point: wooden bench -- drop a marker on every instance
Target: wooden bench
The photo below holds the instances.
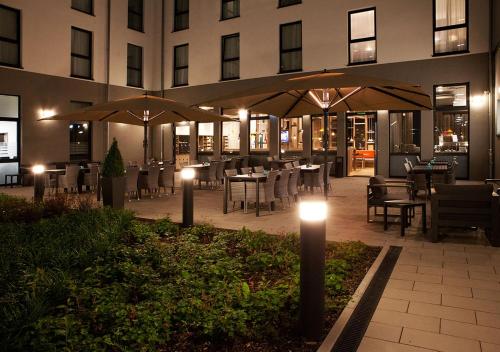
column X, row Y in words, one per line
column 465, row 206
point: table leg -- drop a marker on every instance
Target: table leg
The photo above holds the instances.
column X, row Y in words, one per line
column 385, row 217
column 424, row 218
column 225, row 195
column 402, row 218
column 245, row 204
column 257, row 198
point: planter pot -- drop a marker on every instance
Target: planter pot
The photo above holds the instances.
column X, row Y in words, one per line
column 113, row 192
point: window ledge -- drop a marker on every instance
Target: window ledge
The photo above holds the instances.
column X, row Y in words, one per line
column 11, row 66
column 228, row 18
column 280, row 72
column 448, row 53
column 87, row 13
column 229, row 79
column 137, row 30
column 82, row 77
column 180, row 85
column 362, row 63
column 180, row 30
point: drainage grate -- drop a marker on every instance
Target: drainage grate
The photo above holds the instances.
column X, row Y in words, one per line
column 356, row 326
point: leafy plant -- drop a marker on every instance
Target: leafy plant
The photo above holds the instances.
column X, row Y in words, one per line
column 113, row 163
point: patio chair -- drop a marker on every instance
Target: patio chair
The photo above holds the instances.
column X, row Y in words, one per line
column 231, row 172
column 258, row 169
column 167, row 178
column 419, row 180
column 438, row 178
column 288, row 166
column 219, row 175
column 293, row 190
column 377, row 193
column 232, row 163
column 281, row 189
column 266, row 191
column 244, row 161
column 193, row 162
column 151, row 180
column 69, row 181
column 418, row 159
column 329, row 166
column 245, row 170
column 90, row 178
column 50, row 179
column 132, row 177
column 209, row 176
column 314, row 179
column 495, row 182
column 269, row 158
column 296, row 163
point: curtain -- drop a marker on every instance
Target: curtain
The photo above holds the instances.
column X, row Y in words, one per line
column 231, row 55
column 81, row 53
column 9, row 51
column 181, row 65
column 362, row 24
column 230, row 8
column 82, row 5
column 181, row 18
column 291, row 46
column 450, row 12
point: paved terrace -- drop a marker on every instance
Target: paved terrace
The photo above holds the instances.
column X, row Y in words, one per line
column 441, row 296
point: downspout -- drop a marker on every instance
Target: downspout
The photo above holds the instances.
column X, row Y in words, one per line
column 491, row 96
column 162, row 74
column 108, row 75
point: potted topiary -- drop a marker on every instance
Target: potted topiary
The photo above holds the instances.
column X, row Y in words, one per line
column 113, row 178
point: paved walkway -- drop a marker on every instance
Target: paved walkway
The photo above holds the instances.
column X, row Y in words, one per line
column 441, row 296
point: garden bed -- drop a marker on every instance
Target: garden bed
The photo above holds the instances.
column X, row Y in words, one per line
column 97, row 279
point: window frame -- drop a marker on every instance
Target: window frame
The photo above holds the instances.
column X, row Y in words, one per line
column 257, row 151
column 282, row 51
column 178, row 13
column 455, row 26
column 135, row 13
column 361, row 40
column 281, row 5
column 141, row 70
column 91, row 13
column 90, row 58
column 175, row 67
column 204, row 152
column 291, row 152
column 18, row 41
column 225, row 152
column 321, row 117
column 223, row 60
column 415, row 113
column 18, row 122
column 222, row 18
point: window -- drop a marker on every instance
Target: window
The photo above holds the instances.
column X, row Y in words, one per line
column 451, row 119
column 362, row 36
column 283, row 3
column 230, row 137
column 291, row 47
column 134, row 65
column 404, row 133
column 80, row 135
column 81, row 53
column 259, row 133
column 205, row 137
column 230, row 9
column 86, row 6
column 181, row 68
column 136, row 15
column 317, row 132
column 291, row 134
column 451, row 26
column 9, row 135
column 231, row 56
column 10, row 36
column 181, row 15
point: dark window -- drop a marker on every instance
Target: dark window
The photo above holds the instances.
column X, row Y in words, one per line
column 231, row 56
column 10, row 36
column 283, row 3
column 404, row 132
column 451, row 26
column 181, row 15
column 362, row 36
column 134, row 65
column 136, row 15
column 291, row 47
column 81, row 53
column 230, row 9
column 80, row 135
column 451, row 119
column 181, row 65
column 86, row 6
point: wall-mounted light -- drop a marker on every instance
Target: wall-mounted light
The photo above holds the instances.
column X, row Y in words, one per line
column 207, row 108
column 479, row 100
column 46, row 113
column 243, row 114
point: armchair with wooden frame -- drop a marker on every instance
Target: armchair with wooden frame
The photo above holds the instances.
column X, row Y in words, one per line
column 377, row 192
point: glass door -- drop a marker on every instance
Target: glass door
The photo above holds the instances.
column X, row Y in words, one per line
column 182, row 145
column 361, row 144
column 9, row 135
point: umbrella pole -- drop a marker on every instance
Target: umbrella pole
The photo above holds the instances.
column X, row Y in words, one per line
column 325, row 152
column 145, row 142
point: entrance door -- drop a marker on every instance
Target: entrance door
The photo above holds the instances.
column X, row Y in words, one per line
column 361, row 144
column 182, row 145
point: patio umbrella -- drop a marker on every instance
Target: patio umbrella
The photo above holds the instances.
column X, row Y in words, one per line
column 322, row 92
column 145, row 110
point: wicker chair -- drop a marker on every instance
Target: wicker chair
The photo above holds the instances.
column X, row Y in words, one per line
column 219, row 174
column 296, row 163
column 209, row 176
column 152, row 184
column 69, row 181
column 258, row 169
column 245, row 170
column 293, row 190
column 419, row 181
column 266, row 190
column 233, row 163
column 377, row 193
column 132, row 174
column 90, row 178
column 167, row 178
column 315, row 179
column 288, row 166
column 281, row 190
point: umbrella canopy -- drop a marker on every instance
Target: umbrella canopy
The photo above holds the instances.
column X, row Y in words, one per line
column 144, row 110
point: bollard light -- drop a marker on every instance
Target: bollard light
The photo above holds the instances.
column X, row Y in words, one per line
column 312, row 268
column 38, row 182
column 187, row 175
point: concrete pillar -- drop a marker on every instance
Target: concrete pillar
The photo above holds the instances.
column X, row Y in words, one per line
column 382, row 138
column 244, row 133
column 274, row 135
column 306, row 135
column 193, row 141
column 217, row 140
column 341, row 138
column 427, row 134
column 168, row 144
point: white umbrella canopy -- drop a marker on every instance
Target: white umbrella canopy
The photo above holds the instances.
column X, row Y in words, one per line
column 145, row 110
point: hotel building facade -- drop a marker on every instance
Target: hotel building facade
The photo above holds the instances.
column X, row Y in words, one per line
column 60, row 55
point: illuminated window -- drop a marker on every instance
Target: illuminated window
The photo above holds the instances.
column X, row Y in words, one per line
column 291, row 134
column 80, row 135
column 259, row 133
column 206, row 137
column 9, row 137
column 450, row 26
column 317, row 132
column 362, row 36
column 451, row 119
column 404, row 132
column 230, row 137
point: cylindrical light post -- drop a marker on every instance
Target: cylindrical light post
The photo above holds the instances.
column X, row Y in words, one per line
column 312, row 268
column 39, row 183
column 187, row 175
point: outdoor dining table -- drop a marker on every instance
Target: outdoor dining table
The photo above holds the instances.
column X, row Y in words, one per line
column 309, row 168
column 254, row 177
column 428, row 170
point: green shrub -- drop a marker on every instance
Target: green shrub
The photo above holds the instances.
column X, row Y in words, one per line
column 113, row 163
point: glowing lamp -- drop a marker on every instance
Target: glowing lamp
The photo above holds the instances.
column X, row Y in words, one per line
column 38, row 169
column 187, row 173
column 312, row 211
